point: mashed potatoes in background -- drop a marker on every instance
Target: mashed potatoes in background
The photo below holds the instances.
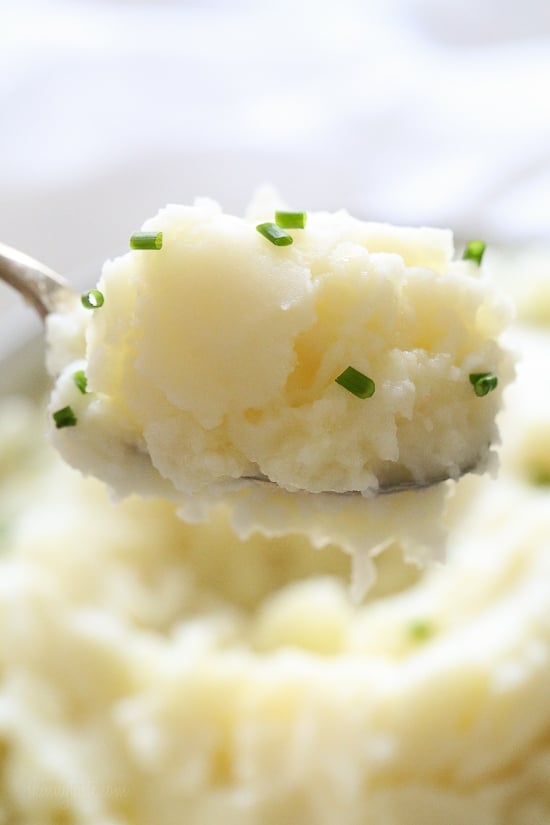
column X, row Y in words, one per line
column 156, row 671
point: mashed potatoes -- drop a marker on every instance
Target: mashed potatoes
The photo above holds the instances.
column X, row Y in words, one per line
column 221, row 356
column 153, row 669
column 158, row 671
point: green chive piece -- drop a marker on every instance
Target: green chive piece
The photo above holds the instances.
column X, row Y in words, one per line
column 93, row 299
column 540, row 477
column 483, row 382
column 291, row 220
column 474, row 251
column 146, row 240
column 64, row 417
column 420, row 630
column 275, row 234
column 79, row 377
column 355, row 382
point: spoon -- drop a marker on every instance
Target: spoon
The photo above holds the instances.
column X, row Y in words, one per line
column 47, row 292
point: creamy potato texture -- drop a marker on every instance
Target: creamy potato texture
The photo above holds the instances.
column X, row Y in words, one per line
column 217, row 355
column 216, row 358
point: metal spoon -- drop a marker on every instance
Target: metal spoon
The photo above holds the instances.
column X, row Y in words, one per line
column 48, row 292
column 39, row 285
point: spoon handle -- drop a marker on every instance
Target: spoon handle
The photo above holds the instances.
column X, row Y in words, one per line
column 43, row 288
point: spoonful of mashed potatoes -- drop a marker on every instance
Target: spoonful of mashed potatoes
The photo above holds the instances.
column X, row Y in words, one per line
column 315, row 351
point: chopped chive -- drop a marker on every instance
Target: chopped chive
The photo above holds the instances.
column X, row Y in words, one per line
column 79, row 377
column 146, row 240
column 420, row 630
column 483, row 382
column 64, row 417
column 540, row 477
column 474, row 251
column 355, row 382
column 275, row 234
column 291, row 220
column 93, row 299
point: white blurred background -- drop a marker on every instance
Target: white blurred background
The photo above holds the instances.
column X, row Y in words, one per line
column 411, row 111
